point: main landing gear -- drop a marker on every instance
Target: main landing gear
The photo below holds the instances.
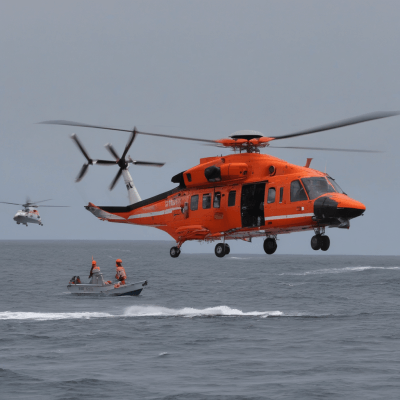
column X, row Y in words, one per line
column 319, row 241
column 174, row 252
column 270, row 245
column 221, row 249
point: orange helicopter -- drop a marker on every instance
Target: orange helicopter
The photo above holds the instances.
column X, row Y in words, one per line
column 238, row 196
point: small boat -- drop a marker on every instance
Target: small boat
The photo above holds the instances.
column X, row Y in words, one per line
column 129, row 289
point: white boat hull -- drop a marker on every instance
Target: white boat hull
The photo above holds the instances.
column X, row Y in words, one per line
column 129, row 289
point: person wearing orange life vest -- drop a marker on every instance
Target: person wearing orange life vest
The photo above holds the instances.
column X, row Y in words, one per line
column 121, row 274
column 97, row 277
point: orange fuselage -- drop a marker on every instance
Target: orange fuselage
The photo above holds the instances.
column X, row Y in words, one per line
column 240, row 196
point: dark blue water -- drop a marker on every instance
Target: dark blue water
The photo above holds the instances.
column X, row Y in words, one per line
column 241, row 327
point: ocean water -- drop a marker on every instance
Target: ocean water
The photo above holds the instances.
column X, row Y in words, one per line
column 241, row 327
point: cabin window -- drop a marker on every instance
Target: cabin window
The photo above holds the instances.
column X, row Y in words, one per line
column 217, row 200
column 189, row 177
column 297, row 192
column 317, row 186
column 281, row 195
column 206, row 201
column 232, row 198
column 271, row 195
column 194, row 202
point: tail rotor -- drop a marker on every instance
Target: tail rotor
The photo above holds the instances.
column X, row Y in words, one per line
column 123, row 161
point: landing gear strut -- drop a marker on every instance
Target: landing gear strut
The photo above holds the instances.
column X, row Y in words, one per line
column 270, row 245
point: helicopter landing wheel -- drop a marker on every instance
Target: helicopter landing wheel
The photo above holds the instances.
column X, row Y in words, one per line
column 18, row 223
column 227, row 248
column 316, row 242
column 270, row 245
column 220, row 249
column 325, row 243
column 174, row 252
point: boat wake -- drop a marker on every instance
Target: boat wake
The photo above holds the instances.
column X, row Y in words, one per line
column 219, row 311
column 157, row 311
column 42, row 316
column 338, row 270
column 140, row 311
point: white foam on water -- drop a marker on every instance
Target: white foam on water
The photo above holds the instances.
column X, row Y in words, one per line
column 41, row 316
column 219, row 311
column 338, row 270
column 139, row 311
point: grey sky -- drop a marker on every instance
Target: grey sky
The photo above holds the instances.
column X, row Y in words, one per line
column 202, row 69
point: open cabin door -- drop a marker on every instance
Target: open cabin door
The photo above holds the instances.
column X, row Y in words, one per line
column 252, row 205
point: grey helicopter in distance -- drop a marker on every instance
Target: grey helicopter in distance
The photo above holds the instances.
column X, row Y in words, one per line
column 30, row 214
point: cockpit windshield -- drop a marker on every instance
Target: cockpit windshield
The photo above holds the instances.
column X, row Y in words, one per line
column 317, row 186
column 335, row 185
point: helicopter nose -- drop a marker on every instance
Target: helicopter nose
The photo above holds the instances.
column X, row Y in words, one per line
column 338, row 206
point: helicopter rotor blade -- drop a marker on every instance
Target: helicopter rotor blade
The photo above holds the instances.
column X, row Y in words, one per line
column 326, row 149
column 82, row 172
column 74, row 137
column 36, row 202
column 339, row 124
column 50, row 206
column 148, row 163
column 111, row 149
column 15, row 204
column 129, row 143
column 114, row 182
column 104, row 162
column 71, row 123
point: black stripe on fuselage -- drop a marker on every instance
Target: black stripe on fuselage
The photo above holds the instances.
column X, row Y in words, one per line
column 142, row 203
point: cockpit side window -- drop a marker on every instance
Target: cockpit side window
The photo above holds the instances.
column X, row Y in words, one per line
column 317, row 186
column 297, row 192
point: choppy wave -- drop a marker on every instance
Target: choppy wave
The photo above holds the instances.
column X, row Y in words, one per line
column 225, row 311
column 337, row 270
column 42, row 316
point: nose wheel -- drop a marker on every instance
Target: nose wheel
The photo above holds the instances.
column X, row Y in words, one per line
column 319, row 242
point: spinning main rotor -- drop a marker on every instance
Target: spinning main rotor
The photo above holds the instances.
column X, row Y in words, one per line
column 31, row 204
column 248, row 141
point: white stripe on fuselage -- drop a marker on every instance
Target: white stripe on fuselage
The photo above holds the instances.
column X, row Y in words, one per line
column 154, row 214
column 289, row 216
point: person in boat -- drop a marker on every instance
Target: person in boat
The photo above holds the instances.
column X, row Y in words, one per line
column 75, row 280
column 121, row 274
column 96, row 276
